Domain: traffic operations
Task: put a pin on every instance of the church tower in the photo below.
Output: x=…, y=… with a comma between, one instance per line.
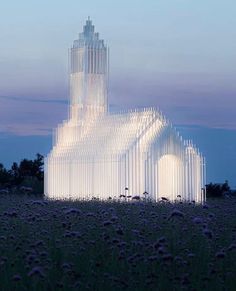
x=88, y=74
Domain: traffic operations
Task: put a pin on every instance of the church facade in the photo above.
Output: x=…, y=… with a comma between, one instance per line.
x=106, y=155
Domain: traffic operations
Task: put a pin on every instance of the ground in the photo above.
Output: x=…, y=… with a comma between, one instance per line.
x=93, y=245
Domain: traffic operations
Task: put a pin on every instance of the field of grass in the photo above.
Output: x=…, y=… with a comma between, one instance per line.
x=93, y=245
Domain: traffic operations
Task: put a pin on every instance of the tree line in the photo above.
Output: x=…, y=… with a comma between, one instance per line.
x=28, y=173
x=217, y=190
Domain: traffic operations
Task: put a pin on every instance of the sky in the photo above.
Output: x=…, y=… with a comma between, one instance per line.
x=177, y=55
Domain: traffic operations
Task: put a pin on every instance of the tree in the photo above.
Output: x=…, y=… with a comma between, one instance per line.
x=32, y=168
x=29, y=173
x=26, y=168
x=16, y=178
x=38, y=166
x=225, y=186
x=217, y=190
x=4, y=176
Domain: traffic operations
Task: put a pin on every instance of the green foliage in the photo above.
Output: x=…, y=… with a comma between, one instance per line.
x=27, y=173
x=34, y=183
x=5, y=176
x=217, y=190
x=16, y=178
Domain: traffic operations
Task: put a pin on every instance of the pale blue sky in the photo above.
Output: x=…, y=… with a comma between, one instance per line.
x=174, y=37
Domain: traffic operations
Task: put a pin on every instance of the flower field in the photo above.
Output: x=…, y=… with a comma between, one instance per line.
x=94, y=245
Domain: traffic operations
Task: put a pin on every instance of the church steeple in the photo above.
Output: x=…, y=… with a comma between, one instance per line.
x=88, y=36
x=89, y=69
x=88, y=29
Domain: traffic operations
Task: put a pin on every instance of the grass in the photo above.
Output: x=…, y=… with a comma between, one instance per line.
x=94, y=245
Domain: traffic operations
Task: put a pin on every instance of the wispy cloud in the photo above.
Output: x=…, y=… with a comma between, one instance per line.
x=19, y=99
x=29, y=116
x=182, y=99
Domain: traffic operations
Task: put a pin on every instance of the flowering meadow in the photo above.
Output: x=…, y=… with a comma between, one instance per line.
x=94, y=245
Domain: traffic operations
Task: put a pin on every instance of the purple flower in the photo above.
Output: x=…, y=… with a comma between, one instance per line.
x=38, y=202
x=107, y=222
x=119, y=231
x=232, y=247
x=36, y=271
x=16, y=278
x=208, y=233
x=220, y=255
x=197, y=220
x=167, y=258
x=176, y=213
x=72, y=211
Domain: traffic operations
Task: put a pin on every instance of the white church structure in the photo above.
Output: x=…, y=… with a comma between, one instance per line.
x=108, y=155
